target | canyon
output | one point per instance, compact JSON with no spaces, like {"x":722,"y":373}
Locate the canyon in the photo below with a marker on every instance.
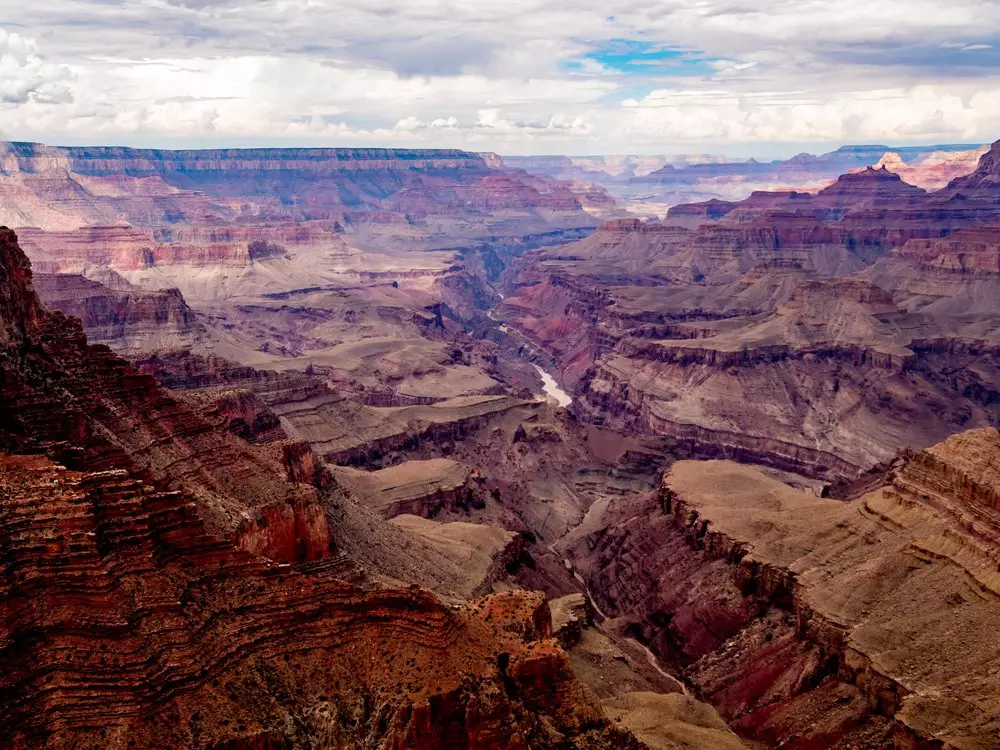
{"x":424,"y":448}
{"x":168,"y":583}
{"x":818,"y":333}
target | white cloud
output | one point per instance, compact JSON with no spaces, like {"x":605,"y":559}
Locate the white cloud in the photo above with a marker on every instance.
{"x":899,"y":114}
{"x":24,"y":76}
{"x":512,"y":76}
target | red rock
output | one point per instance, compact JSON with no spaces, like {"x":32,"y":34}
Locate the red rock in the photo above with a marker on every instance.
{"x":125,"y":622}
{"x":91,"y":410}
{"x":133,"y":322}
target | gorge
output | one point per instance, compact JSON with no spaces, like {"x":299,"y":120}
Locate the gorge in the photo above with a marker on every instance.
{"x":392,"y":448}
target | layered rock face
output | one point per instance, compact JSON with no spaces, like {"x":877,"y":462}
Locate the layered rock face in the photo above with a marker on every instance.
{"x":144,"y":631}
{"x":818,"y":333}
{"x":654,"y":184}
{"x":418,"y":488}
{"x":836,"y":378}
{"x":89,"y":409}
{"x":133,"y":322}
{"x":809,"y":621}
{"x":95,"y":185}
{"x":954,"y":276}
{"x":129,"y":620}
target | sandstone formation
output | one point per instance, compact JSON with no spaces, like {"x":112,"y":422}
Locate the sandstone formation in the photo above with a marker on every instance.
{"x":416,"y":488}
{"x":289,"y":257}
{"x":672,"y":721}
{"x":570,"y":615}
{"x":132,"y":322}
{"x":954,"y":276}
{"x":482,"y":553}
{"x":129,"y":622}
{"x":867,"y":615}
{"x":747,"y":329}
{"x":334,"y":418}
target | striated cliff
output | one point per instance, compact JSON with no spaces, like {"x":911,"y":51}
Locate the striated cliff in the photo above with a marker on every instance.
{"x":125,"y":625}
{"x":132,"y":322}
{"x":147,"y":187}
{"x":835,"y":379}
{"x":88,"y":409}
{"x":148,"y":599}
{"x":808,"y":621}
{"x":418,"y":488}
{"x":952,"y":276}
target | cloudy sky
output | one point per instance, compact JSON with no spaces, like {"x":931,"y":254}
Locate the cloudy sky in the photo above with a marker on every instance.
{"x":766,"y":77}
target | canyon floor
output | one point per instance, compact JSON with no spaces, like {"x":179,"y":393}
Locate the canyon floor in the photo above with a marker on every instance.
{"x":425,"y":449}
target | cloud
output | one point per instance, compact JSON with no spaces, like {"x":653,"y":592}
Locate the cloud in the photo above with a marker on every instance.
{"x":925,"y":113}
{"x":24,"y":76}
{"x":523,"y":76}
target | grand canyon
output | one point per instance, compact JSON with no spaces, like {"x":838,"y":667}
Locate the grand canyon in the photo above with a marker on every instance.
{"x":336,"y":448}
{"x":472,"y":378}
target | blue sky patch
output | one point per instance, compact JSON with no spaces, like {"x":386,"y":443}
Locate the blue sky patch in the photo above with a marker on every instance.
{"x":640,"y":58}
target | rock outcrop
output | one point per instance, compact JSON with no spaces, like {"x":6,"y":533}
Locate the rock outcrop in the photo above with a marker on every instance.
{"x":806,"y":620}
{"x":88,"y":409}
{"x":416,"y":488}
{"x":132,"y":322}
{"x":129,"y":619}
{"x":954,"y":277}
{"x":95,"y":186}
{"x":835,"y":379}
{"x":934,"y":170}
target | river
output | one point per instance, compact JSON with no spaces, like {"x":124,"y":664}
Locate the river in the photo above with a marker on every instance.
{"x":549,"y":384}
{"x":552,"y":389}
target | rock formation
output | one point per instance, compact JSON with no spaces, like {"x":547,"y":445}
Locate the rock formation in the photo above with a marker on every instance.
{"x":416,"y":488}
{"x":650,"y":185}
{"x":90,"y":410}
{"x":127,"y":621}
{"x":806,"y":620}
{"x":353,"y":408}
{"x":934,"y":170}
{"x":132,"y":322}
{"x":737,"y":330}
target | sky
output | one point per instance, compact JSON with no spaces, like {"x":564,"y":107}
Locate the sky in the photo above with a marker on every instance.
{"x":738,"y":77}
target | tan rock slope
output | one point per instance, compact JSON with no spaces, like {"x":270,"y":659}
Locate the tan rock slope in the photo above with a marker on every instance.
{"x":807,"y":620}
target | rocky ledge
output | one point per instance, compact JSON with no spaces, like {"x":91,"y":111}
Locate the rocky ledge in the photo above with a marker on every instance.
{"x":808,"y":621}
{"x":123,"y":624}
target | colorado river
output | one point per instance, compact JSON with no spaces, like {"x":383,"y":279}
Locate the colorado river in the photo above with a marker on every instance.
{"x":552,"y":389}
{"x":549,"y":384}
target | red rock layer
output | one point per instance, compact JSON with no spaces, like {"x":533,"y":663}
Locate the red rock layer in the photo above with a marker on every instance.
{"x":89,"y":409}
{"x":123,"y":624}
